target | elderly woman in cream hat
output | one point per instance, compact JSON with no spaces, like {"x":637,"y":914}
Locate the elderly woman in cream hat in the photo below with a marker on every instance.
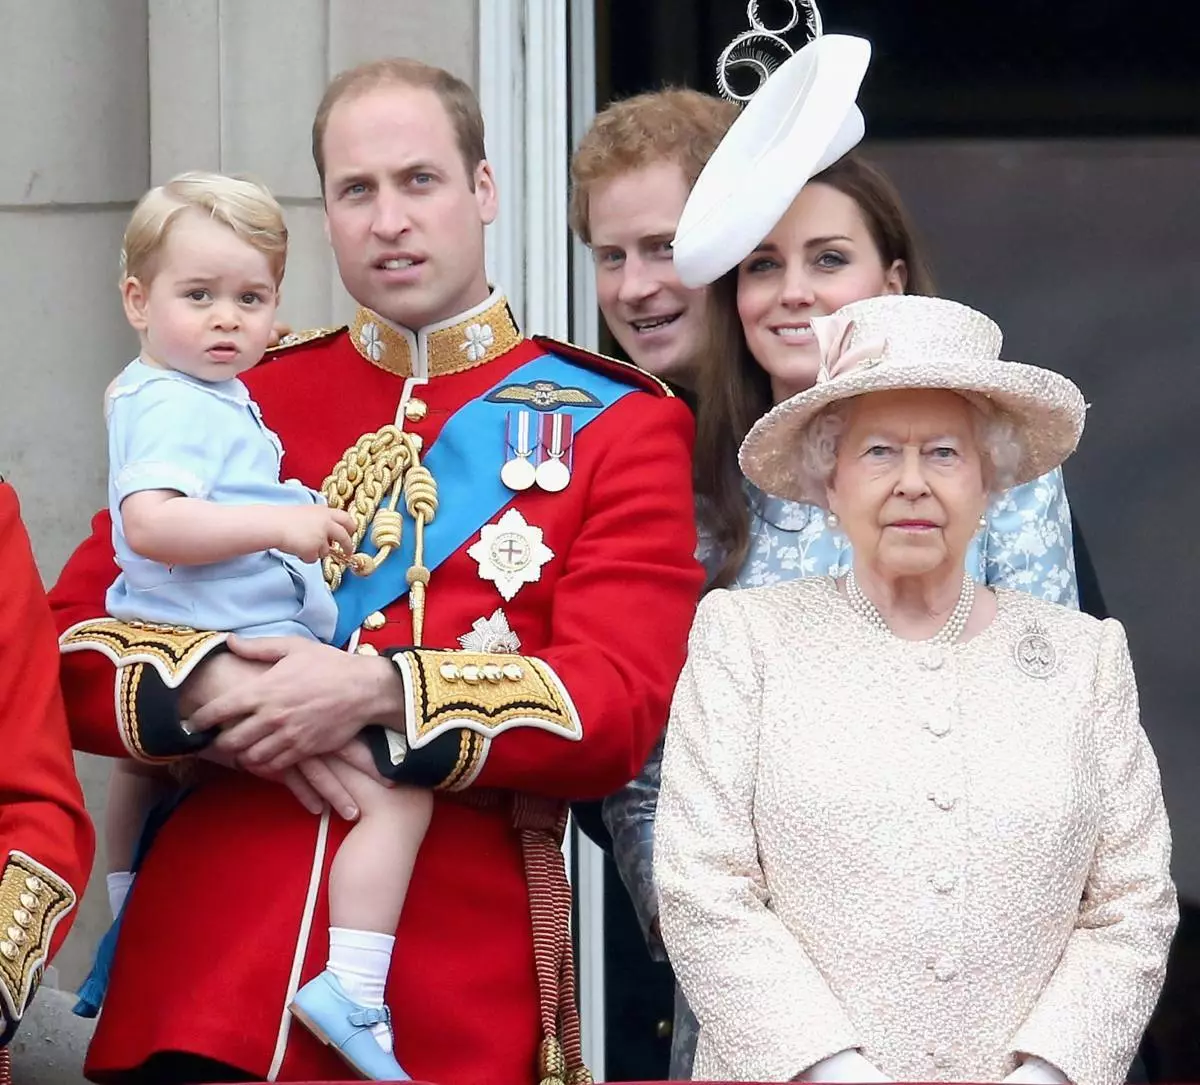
{"x":910,"y":827}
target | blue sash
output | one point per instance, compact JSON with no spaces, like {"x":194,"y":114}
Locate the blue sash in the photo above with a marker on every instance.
{"x":465,"y":461}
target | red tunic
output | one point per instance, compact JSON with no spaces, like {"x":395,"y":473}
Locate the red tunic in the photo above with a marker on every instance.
{"x":46,"y":839}
{"x":210,"y":941}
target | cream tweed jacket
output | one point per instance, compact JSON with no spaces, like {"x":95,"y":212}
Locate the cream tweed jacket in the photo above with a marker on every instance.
{"x":946,"y":857}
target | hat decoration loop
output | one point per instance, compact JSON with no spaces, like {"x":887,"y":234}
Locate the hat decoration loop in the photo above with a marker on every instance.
{"x":833,"y":334}
{"x":762,"y":48}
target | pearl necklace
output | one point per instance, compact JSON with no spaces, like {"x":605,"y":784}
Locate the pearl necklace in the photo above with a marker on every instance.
{"x":948,"y":634}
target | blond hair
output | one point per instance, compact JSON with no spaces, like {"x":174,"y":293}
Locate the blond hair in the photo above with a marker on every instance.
{"x":671,"y":125}
{"x":458,"y":100}
{"x":245,"y":206}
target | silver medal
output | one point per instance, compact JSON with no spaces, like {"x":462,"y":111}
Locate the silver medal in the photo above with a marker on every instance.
{"x":553,"y":476}
{"x":518,"y":472}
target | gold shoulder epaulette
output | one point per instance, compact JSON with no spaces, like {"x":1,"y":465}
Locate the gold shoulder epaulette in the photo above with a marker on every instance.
{"x":614,"y":367}
{"x":309,"y":335}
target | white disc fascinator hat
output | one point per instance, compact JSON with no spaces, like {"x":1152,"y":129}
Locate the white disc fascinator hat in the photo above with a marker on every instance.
{"x":907,"y":341}
{"x":800,"y":120}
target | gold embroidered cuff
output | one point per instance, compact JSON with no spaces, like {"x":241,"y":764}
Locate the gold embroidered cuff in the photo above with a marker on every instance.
{"x":172,"y":650}
{"x":32,"y":901}
{"x":152,"y":662}
{"x":474,"y":697}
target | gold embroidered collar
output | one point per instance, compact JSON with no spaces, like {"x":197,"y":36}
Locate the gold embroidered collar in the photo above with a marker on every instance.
{"x":462,"y":342}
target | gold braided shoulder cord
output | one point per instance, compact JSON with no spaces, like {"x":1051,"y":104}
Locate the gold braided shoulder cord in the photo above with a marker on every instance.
{"x":368,"y":482}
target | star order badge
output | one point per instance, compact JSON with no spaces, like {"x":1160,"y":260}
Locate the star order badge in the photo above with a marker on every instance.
{"x":510,"y":553}
{"x":491,"y":636}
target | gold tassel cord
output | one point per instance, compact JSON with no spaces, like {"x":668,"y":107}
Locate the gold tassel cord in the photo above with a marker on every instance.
{"x":421,"y":500}
{"x":383,"y":465}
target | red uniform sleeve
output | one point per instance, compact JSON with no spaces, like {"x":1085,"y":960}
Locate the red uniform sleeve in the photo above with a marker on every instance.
{"x":46,"y":839}
{"x":119,"y":680}
{"x":88,"y":678}
{"x":579,"y":720}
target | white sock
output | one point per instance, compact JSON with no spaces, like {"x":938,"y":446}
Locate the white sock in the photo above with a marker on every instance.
{"x":119,"y":883}
{"x":360,"y":960}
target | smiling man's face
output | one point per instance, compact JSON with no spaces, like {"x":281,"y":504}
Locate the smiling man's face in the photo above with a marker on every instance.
{"x":660,"y":323}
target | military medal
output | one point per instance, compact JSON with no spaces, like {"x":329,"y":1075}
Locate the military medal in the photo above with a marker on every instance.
{"x":510,"y":553}
{"x":518,"y":472}
{"x":554,"y":472}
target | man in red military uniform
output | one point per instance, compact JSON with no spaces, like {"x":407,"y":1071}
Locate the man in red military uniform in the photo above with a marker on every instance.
{"x":516,"y":618}
{"x":46,"y":839}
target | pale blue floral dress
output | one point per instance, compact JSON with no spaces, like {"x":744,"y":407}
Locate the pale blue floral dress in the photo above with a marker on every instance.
{"x":1027,"y":544}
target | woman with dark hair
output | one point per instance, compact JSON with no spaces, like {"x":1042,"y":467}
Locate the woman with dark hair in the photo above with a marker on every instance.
{"x":845,"y":237}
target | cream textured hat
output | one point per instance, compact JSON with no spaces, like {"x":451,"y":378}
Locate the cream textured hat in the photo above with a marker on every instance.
{"x":899,"y":341}
{"x":799,"y":122}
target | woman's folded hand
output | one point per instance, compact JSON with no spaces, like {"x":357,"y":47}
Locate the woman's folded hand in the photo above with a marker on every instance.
{"x":1035,"y":1071}
{"x":845,"y":1066}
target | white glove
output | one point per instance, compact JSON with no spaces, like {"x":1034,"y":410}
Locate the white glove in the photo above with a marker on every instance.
{"x":1035,"y":1071}
{"x":845,"y":1066}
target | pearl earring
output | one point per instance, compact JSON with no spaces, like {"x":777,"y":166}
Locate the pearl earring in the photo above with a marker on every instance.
{"x":983,"y":521}
{"x":832,"y":519}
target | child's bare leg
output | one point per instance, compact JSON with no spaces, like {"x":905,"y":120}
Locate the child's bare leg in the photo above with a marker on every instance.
{"x":133,"y":790}
{"x":368,"y":883}
{"x":373,"y":866}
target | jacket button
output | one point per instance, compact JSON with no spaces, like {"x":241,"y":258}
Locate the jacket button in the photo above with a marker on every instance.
{"x":663,"y":1029}
{"x":944,"y":881}
{"x":932,"y":659}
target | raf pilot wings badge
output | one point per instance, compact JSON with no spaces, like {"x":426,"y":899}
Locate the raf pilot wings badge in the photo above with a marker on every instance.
{"x":543,"y":395}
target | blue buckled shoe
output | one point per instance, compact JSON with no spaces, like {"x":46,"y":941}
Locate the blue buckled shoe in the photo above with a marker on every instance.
{"x":323,"y":1007}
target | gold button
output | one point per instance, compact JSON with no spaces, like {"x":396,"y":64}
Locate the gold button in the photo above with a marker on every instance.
{"x":663,"y":1029}
{"x":22,"y":917}
{"x":492,"y":672}
{"x":366,"y":650}
{"x":28,"y":900}
{"x":17,"y":935}
{"x":513,"y":673}
{"x":449,"y":672}
{"x":415,"y":410}
{"x":470,"y":673}
{"x":374,"y":621}
{"x":34,"y":885}
{"x":9,"y":950}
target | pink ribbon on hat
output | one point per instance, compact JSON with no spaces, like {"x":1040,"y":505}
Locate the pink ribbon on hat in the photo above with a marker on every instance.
{"x":833,"y":342}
